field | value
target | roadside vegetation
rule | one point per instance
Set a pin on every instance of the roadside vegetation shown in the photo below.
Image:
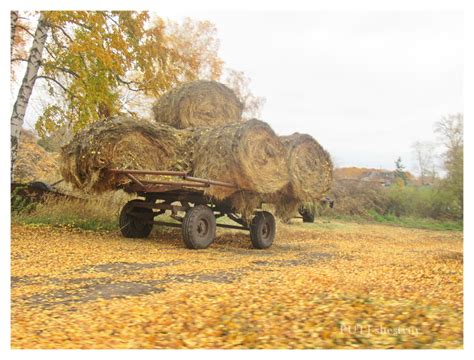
(426, 207)
(433, 201)
(406, 222)
(97, 213)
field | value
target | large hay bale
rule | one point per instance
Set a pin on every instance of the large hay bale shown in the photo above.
(247, 154)
(310, 167)
(198, 104)
(33, 163)
(122, 143)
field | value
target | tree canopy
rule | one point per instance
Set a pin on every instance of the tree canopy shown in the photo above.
(92, 57)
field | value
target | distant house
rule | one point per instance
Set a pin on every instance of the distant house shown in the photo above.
(379, 176)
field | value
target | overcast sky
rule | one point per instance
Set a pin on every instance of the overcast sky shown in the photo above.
(366, 85)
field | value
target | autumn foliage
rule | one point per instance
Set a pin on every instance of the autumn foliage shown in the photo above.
(92, 57)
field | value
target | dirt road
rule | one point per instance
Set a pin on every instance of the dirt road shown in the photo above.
(320, 286)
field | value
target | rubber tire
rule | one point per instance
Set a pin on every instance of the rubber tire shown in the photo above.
(192, 227)
(130, 226)
(307, 215)
(40, 186)
(262, 230)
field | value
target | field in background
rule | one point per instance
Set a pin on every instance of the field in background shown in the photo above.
(402, 221)
(324, 285)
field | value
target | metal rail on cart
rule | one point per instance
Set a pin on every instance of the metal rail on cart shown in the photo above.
(143, 185)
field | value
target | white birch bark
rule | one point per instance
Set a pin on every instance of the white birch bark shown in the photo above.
(26, 88)
(13, 20)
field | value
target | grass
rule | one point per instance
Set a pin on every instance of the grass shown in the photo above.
(99, 213)
(70, 220)
(422, 223)
(404, 221)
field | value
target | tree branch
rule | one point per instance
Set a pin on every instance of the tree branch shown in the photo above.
(129, 83)
(112, 19)
(63, 69)
(68, 71)
(56, 82)
(25, 29)
(18, 59)
(49, 52)
(72, 21)
(64, 32)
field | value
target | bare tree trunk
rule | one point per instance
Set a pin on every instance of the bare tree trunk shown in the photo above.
(13, 20)
(26, 88)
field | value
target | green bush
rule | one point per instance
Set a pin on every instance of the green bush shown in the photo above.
(422, 201)
(19, 203)
(373, 202)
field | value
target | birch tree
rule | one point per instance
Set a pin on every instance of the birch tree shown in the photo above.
(26, 88)
(450, 130)
(240, 84)
(424, 155)
(13, 22)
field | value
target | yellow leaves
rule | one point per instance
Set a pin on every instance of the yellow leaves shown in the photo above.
(325, 286)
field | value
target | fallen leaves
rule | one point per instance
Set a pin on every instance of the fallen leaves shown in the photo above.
(334, 286)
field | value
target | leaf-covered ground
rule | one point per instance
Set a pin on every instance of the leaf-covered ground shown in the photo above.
(320, 286)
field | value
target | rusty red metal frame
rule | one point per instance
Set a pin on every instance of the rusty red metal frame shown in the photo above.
(142, 185)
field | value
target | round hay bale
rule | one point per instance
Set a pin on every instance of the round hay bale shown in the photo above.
(198, 104)
(122, 143)
(248, 154)
(310, 170)
(310, 167)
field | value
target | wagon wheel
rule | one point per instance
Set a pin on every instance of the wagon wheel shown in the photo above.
(135, 221)
(199, 227)
(262, 230)
(40, 186)
(307, 214)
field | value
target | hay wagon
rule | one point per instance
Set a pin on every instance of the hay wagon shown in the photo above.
(187, 196)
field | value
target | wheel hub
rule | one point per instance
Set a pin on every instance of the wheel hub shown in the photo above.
(265, 230)
(202, 227)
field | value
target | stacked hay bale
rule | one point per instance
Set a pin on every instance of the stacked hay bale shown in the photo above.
(198, 104)
(247, 154)
(310, 169)
(122, 143)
